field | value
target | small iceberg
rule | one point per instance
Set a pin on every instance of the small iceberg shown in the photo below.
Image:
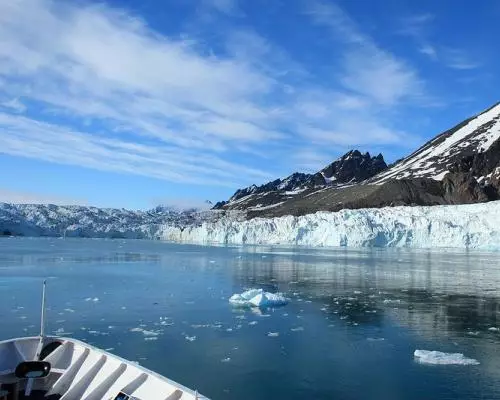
(440, 358)
(258, 298)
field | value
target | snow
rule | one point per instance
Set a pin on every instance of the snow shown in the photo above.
(440, 358)
(260, 208)
(80, 221)
(258, 298)
(294, 192)
(416, 163)
(460, 226)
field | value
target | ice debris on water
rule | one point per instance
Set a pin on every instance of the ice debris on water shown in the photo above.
(145, 332)
(95, 299)
(190, 338)
(273, 334)
(258, 298)
(440, 358)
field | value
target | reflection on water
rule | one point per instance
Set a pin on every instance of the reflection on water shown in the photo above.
(349, 332)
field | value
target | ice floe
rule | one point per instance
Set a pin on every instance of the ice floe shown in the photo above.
(258, 298)
(440, 358)
(94, 299)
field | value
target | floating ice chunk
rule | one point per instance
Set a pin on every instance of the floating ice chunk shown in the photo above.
(150, 338)
(298, 329)
(225, 360)
(440, 358)
(258, 298)
(145, 332)
(70, 310)
(253, 323)
(273, 334)
(493, 329)
(150, 333)
(95, 299)
(190, 338)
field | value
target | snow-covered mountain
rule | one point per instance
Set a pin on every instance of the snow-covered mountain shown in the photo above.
(444, 153)
(459, 166)
(353, 167)
(80, 221)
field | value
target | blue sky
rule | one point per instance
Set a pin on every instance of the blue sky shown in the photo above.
(134, 103)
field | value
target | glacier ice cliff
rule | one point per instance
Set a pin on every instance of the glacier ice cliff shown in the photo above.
(461, 226)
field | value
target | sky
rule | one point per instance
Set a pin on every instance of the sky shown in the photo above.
(127, 103)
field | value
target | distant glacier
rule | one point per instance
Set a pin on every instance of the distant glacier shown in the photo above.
(460, 226)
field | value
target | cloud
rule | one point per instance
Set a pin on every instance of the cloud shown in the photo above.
(416, 25)
(229, 7)
(14, 105)
(107, 92)
(459, 59)
(311, 160)
(367, 69)
(19, 197)
(429, 51)
(30, 138)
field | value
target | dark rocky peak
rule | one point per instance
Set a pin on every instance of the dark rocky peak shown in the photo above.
(354, 167)
(351, 167)
(292, 182)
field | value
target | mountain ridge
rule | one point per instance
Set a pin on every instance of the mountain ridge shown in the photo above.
(458, 166)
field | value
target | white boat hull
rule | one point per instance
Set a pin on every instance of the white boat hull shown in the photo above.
(80, 371)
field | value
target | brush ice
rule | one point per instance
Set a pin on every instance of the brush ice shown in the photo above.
(440, 358)
(258, 298)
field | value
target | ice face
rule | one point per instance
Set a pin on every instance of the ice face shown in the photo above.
(460, 226)
(440, 358)
(258, 298)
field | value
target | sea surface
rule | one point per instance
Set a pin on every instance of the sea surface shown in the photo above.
(354, 320)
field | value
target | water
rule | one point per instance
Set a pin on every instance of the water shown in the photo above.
(355, 318)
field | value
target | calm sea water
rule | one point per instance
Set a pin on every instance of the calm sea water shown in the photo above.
(349, 332)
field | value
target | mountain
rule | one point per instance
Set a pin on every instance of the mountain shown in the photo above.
(80, 221)
(353, 167)
(458, 166)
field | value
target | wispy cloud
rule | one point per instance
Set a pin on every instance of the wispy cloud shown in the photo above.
(55, 143)
(14, 104)
(459, 59)
(230, 7)
(111, 94)
(416, 25)
(367, 69)
(429, 51)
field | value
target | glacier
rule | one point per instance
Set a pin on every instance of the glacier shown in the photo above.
(460, 226)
